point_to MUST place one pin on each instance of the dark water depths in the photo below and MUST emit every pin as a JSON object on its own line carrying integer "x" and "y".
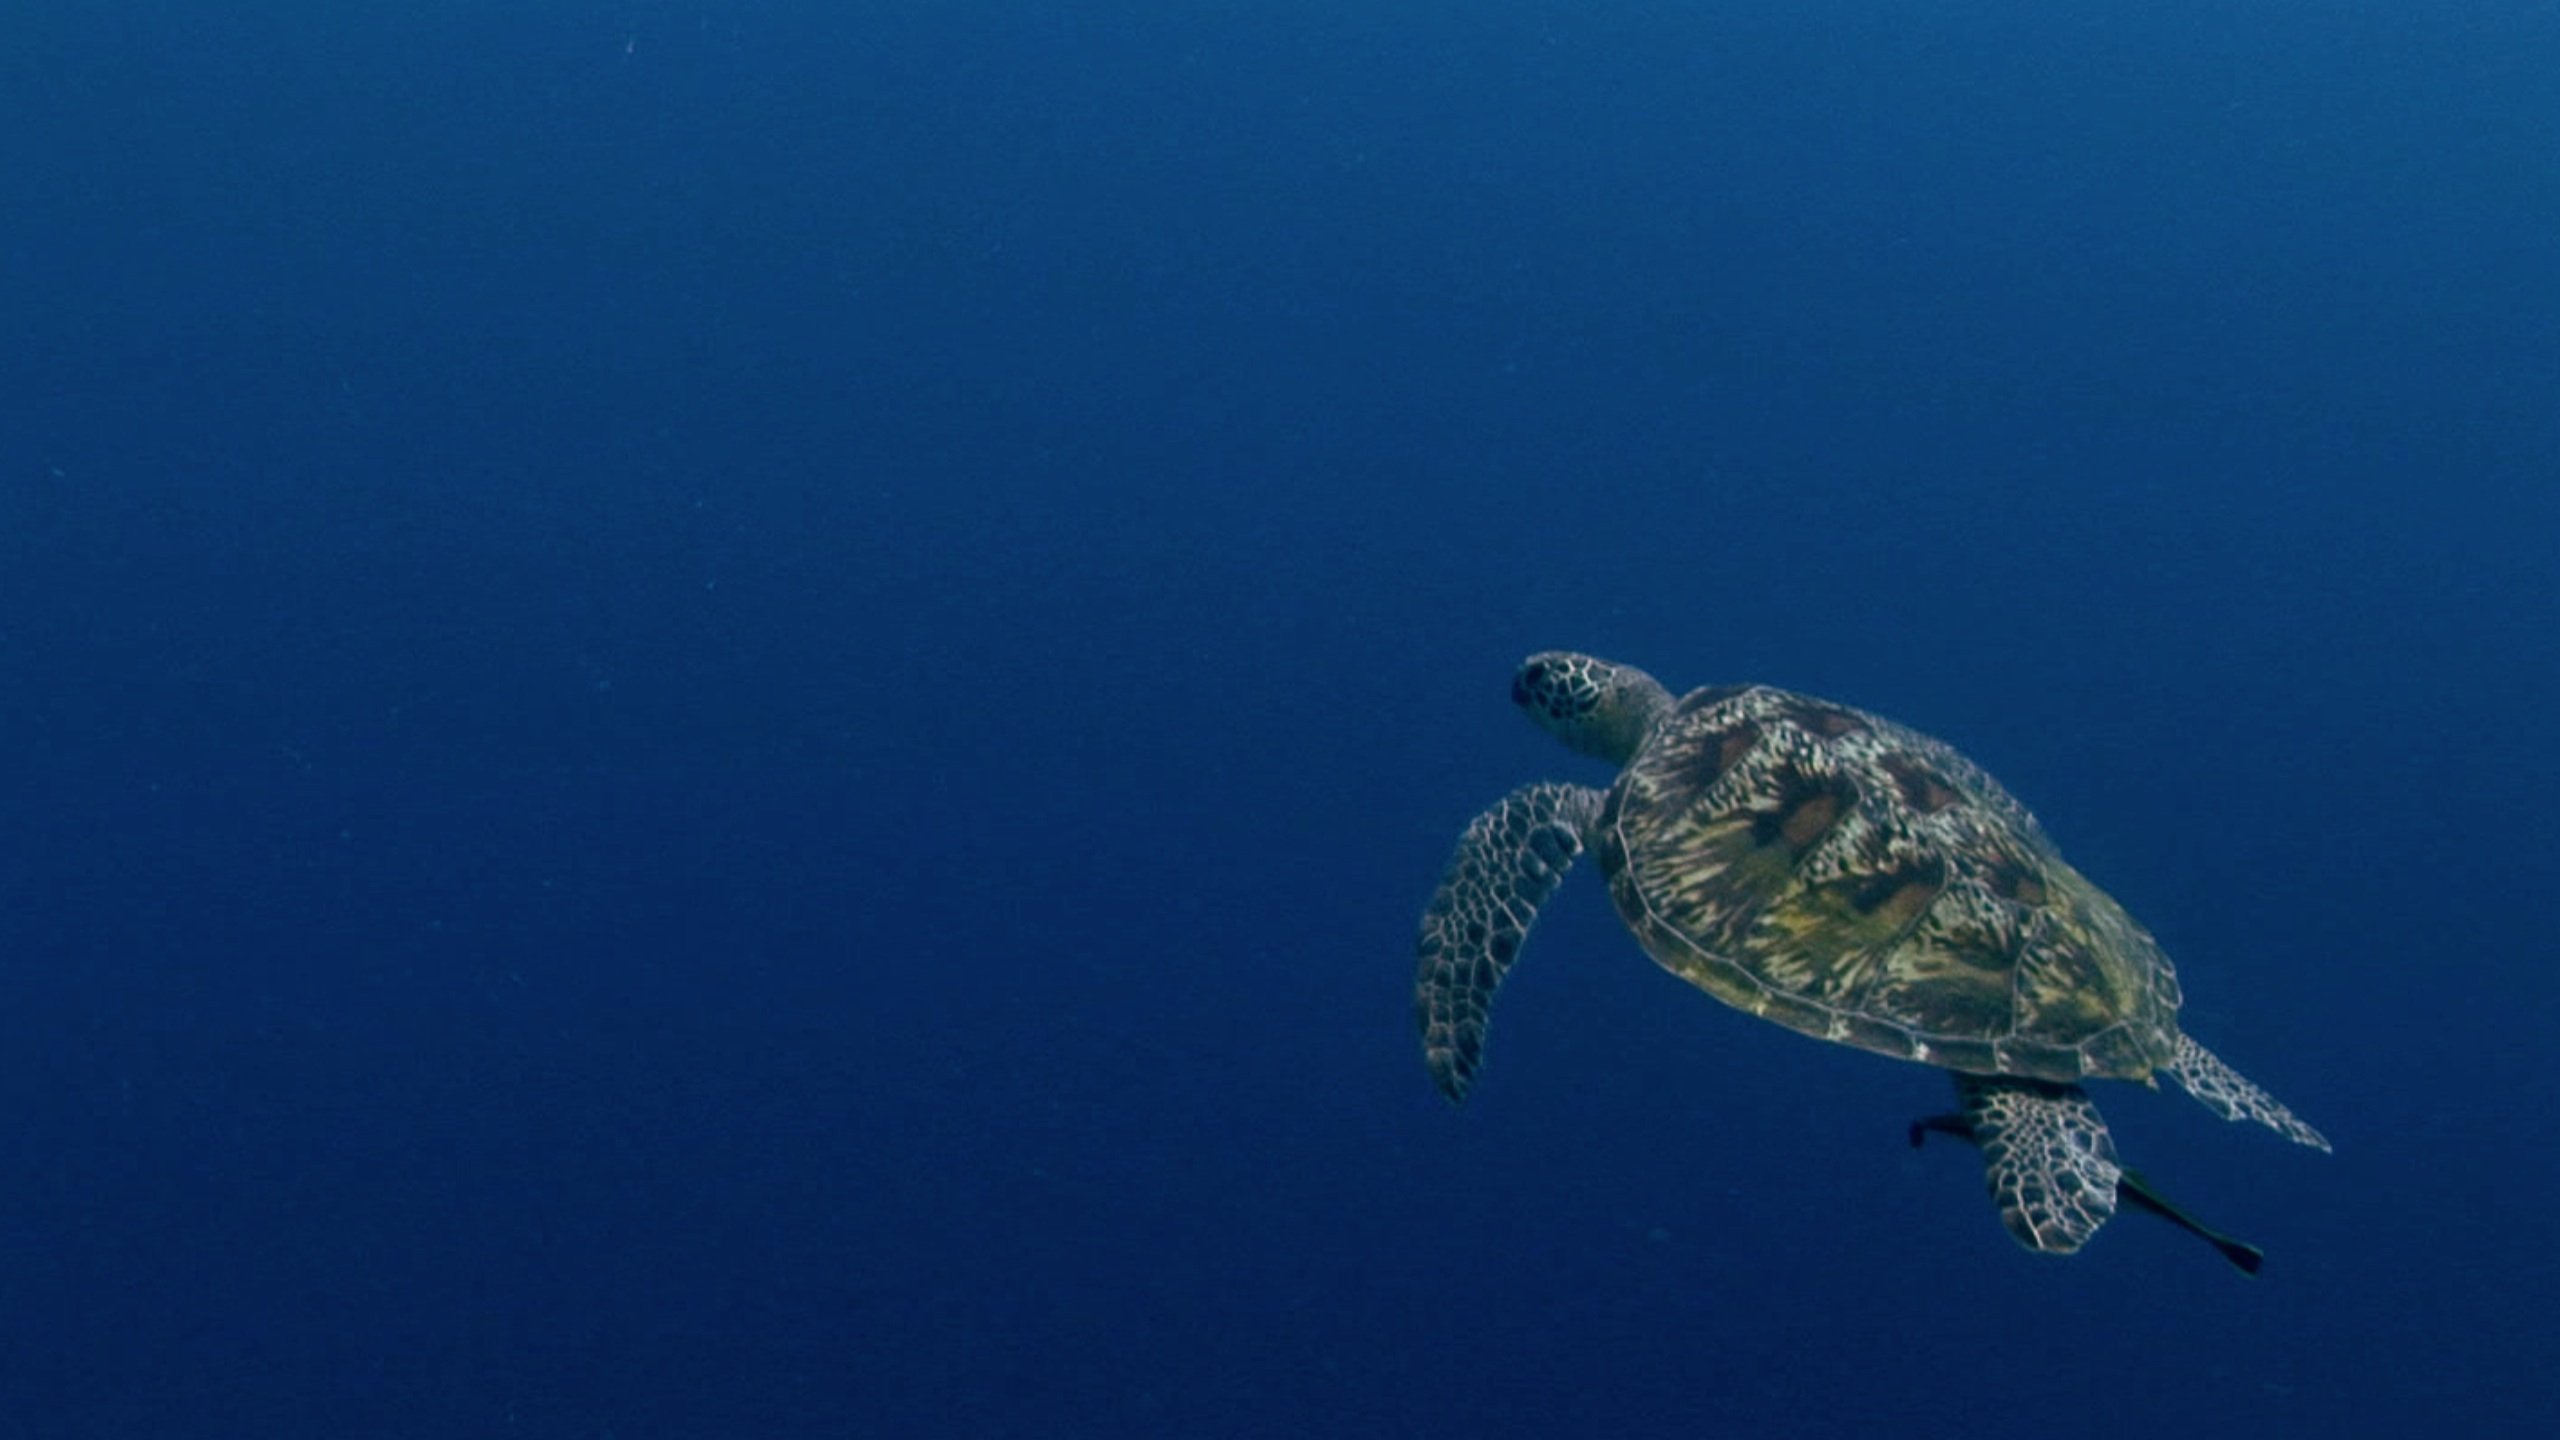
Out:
{"x": 726, "y": 721}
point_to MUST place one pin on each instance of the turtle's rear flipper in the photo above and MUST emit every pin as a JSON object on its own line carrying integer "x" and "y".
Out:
{"x": 2131, "y": 1187}
{"x": 2233, "y": 1096}
{"x": 2046, "y": 1156}
{"x": 1511, "y": 859}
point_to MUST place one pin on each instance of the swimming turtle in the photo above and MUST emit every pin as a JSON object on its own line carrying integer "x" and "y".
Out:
{"x": 1855, "y": 880}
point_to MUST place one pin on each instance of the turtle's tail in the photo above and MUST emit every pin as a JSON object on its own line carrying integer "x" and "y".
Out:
{"x": 2134, "y": 1189}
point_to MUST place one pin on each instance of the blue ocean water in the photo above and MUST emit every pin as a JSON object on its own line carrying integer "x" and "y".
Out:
{"x": 728, "y": 720}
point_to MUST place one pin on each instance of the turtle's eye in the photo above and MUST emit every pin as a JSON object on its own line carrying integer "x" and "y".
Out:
{"x": 1525, "y": 684}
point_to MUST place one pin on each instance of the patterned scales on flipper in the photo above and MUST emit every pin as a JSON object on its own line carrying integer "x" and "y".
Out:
{"x": 1507, "y": 864}
{"x": 2233, "y": 1096}
{"x": 2046, "y": 1155}
{"x": 1860, "y": 882}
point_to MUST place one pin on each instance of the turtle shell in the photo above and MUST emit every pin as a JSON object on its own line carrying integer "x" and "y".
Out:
{"x": 1863, "y": 883}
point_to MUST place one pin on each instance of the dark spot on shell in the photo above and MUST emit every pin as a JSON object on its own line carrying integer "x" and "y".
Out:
{"x": 1906, "y": 902}
{"x": 1809, "y": 821}
{"x": 1829, "y": 721}
{"x": 1923, "y": 790}
{"x": 1736, "y": 744}
{"x": 1807, "y": 807}
{"x": 1989, "y": 959}
{"x": 1898, "y": 896}
{"x": 2015, "y": 880}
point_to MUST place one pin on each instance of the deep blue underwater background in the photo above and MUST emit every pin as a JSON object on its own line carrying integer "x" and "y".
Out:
{"x": 726, "y": 720}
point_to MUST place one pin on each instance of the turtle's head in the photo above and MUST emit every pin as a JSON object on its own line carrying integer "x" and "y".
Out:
{"x": 1599, "y": 708}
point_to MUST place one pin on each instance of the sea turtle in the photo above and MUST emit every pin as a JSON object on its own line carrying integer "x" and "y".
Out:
{"x": 1843, "y": 876}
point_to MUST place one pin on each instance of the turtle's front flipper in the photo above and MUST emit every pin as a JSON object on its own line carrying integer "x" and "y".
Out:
{"x": 2134, "y": 1188}
{"x": 2045, "y": 1152}
{"x": 1510, "y": 860}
